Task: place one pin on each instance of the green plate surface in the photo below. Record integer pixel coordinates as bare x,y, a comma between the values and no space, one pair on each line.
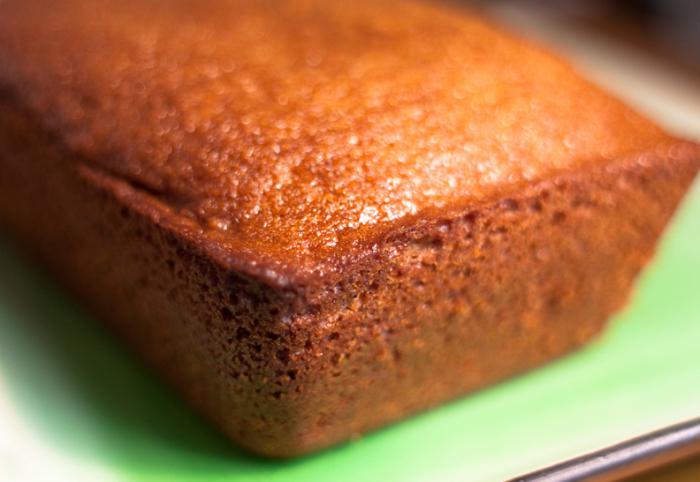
74,405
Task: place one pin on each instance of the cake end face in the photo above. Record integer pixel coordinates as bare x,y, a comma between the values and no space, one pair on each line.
467,300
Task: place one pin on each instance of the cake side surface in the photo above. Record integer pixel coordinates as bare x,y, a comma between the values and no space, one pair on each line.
288,137
209,331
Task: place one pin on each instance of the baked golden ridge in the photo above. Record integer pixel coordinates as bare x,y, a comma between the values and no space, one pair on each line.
318,217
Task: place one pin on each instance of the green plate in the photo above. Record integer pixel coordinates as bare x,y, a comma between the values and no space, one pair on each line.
74,405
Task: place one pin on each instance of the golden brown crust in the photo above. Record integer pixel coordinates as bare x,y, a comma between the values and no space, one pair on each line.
126,146
288,136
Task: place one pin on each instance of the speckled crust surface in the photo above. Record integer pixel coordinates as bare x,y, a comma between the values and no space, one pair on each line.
299,131
319,217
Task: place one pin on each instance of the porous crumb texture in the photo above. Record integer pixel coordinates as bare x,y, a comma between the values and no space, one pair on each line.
332,215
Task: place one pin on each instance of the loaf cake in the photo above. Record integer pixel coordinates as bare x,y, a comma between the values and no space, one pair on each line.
317,217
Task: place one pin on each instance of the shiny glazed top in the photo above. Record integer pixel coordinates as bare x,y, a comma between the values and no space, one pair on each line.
299,130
